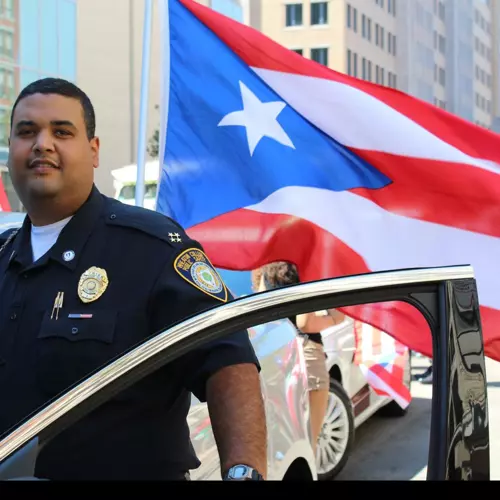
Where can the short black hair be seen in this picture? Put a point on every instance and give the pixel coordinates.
(65, 88)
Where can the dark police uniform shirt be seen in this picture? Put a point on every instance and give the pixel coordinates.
(141, 433)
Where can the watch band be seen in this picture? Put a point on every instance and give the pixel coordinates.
(241, 472)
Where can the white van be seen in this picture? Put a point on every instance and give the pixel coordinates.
(124, 181)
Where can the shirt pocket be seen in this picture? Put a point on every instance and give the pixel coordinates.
(69, 349)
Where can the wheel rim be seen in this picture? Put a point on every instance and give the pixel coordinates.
(332, 442)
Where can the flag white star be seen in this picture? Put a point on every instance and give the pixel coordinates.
(259, 119)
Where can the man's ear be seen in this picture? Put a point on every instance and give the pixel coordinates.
(94, 146)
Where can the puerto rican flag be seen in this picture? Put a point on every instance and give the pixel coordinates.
(270, 156)
(382, 359)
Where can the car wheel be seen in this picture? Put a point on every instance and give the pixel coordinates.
(392, 409)
(336, 437)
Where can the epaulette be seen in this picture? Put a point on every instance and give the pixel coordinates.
(148, 221)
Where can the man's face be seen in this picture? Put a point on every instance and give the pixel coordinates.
(50, 155)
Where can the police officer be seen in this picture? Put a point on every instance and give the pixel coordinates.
(87, 277)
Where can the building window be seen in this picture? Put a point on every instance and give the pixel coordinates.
(369, 30)
(298, 51)
(441, 11)
(354, 64)
(7, 9)
(369, 71)
(319, 13)
(320, 56)
(6, 43)
(363, 26)
(442, 79)
(348, 62)
(382, 36)
(363, 69)
(442, 44)
(377, 34)
(355, 20)
(349, 16)
(294, 14)
(7, 86)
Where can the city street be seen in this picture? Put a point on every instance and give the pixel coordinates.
(396, 449)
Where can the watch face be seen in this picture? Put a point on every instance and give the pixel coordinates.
(239, 472)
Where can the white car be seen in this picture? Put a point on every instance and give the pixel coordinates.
(352, 401)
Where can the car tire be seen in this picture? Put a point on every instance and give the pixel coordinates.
(330, 440)
(392, 409)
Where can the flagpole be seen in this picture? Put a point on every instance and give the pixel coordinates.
(144, 103)
(165, 83)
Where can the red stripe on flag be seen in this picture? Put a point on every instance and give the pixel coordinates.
(453, 195)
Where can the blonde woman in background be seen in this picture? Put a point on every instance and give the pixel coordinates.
(309, 327)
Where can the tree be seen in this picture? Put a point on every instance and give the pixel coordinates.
(154, 142)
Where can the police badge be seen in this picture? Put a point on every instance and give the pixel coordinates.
(93, 283)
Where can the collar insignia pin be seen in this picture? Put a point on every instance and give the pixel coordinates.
(68, 255)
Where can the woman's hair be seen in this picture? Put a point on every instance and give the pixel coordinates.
(276, 274)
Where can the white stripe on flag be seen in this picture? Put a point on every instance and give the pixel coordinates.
(355, 111)
(388, 241)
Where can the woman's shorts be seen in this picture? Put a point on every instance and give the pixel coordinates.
(317, 373)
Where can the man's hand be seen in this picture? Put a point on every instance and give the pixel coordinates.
(237, 413)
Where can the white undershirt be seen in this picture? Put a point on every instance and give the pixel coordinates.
(44, 237)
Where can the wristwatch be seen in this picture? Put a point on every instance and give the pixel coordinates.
(242, 472)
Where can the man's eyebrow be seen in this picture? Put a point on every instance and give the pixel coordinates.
(25, 123)
(62, 123)
(56, 123)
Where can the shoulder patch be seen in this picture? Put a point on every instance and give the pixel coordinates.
(195, 267)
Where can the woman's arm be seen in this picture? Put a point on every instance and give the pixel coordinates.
(318, 321)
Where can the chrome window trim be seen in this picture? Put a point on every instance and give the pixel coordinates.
(172, 335)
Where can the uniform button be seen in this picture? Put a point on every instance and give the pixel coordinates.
(112, 216)
(13, 316)
(74, 331)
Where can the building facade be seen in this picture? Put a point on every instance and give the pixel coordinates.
(37, 39)
(357, 37)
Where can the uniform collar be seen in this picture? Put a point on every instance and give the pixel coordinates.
(70, 242)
